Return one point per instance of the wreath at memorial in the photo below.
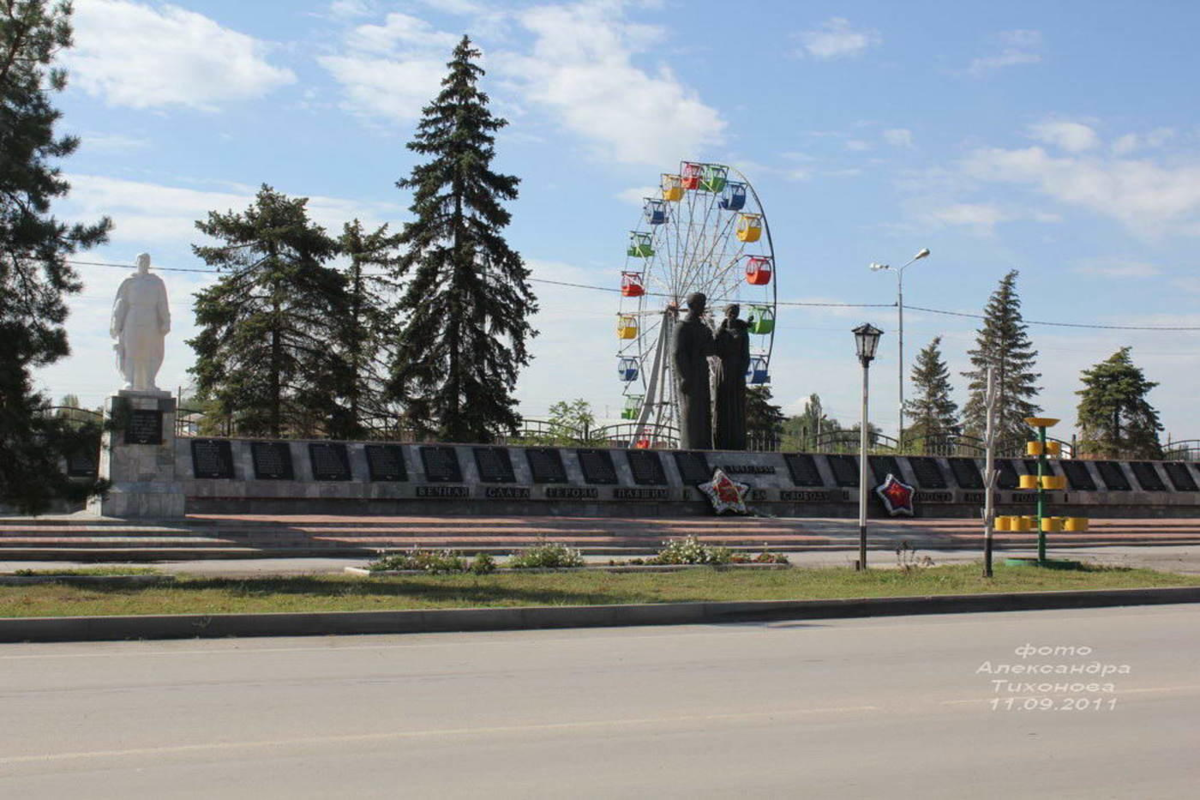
(726, 495)
(897, 496)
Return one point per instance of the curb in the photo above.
(188, 626)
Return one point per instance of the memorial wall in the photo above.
(257, 476)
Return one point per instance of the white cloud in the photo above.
(138, 56)
(1124, 145)
(857, 145)
(581, 69)
(898, 137)
(834, 38)
(399, 30)
(636, 195)
(1149, 198)
(111, 142)
(349, 9)
(1074, 137)
(1018, 47)
(460, 8)
(981, 216)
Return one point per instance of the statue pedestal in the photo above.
(137, 457)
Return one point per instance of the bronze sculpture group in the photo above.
(705, 361)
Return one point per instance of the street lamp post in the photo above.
(866, 340)
(900, 319)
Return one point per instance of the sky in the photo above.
(1058, 139)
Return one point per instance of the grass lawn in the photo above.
(338, 593)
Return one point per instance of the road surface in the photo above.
(889, 707)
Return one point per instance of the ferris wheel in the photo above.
(705, 232)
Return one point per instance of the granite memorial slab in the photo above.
(1009, 478)
(803, 469)
(1077, 476)
(385, 462)
(693, 466)
(647, 468)
(882, 466)
(1180, 476)
(1147, 476)
(494, 465)
(144, 426)
(1113, 476)
(967, 474)
(441, 464)
(329, 461)
(845, 469)
(928, 472)
(212, 458)
(546, 465)
(272, 461)
(597, 466)
(82, 464)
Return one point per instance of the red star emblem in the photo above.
(896, 495)
(726, 495)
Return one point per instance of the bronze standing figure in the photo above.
(732, 345)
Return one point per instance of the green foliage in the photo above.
(1114, 416)
(931, 412)
(432, 561)
(370, 326)
(483, 564)
(263, 351)
(801, 431)
(764, 419)
(34, 274)
(467, 302)
(546, 555)
(690, 550)
(1002, 343)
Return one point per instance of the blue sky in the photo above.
(1058, 139)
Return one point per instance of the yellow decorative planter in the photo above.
(1052, 524)
(1033, 448)
(1075, 524)
(1003, 524)
(1053, 482)
(1029, 482)
(1041, 422)
(1054, 448)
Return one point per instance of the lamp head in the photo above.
(877, 267)
(924, 252)
(866, 341)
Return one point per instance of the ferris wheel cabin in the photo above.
(632, 284)
(627, 368)
(759, 270)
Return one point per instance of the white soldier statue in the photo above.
(140, 321)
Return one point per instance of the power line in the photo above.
(796, 304)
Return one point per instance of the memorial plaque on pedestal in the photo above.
(1077, 475)
(441, 464)
(272, 461)
(546, 464)
(494, 465)
(144, 426)
(212, 458)
(385, 462)
(929, 472)
(597, 466)
(1147, 476)
(82, 464)
(803, 468)
(1113, 476)
(882, 466)
(693, 467)
(329, 461)
(1180, 475)
(1008, 474)
(845, 470)
(967, 474)
(647, 468)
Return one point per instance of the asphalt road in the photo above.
(894, 708)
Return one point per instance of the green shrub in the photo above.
(431, 561)
(690, 551)
(483, 564)
(546, 555)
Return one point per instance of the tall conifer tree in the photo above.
(1003, 344)
(931, 412)
(1115, 418)
(467, 303)
(369, 330)
(34, 248)
(764, 419)
(263, 351)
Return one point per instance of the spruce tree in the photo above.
(1115, 418)
(931, 412)
(266, 326)
(1002, 343)
(764, 419)
(370, 326)
(467, 303)
(34, 247)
